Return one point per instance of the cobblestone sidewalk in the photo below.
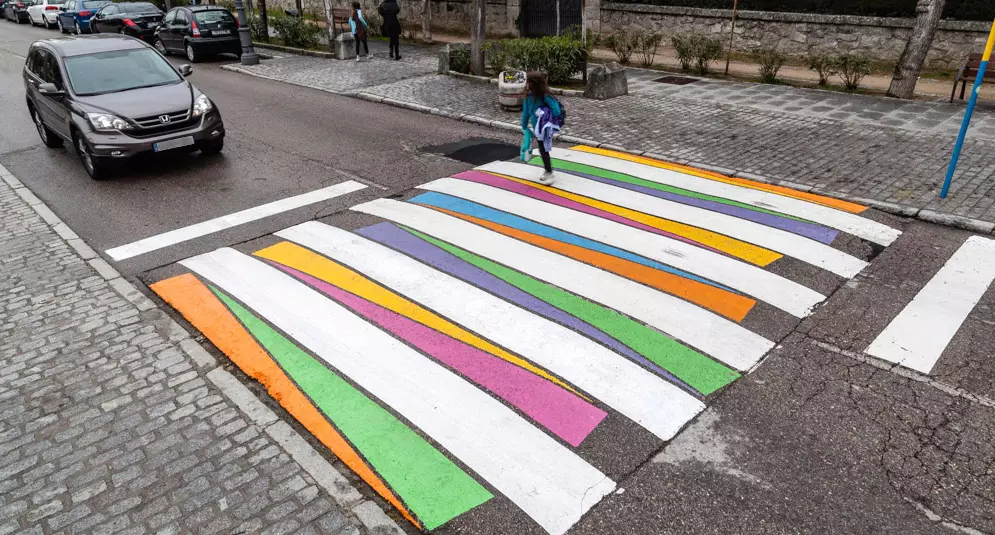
(112, 420)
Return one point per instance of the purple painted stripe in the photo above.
(522, 189)
(563, 413)
(390, 235)
(813, 231)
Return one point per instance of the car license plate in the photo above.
(222, 32)
(173, 144)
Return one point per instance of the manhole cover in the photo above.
(676, 80)
(476, 151)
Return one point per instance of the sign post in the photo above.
(971, 103)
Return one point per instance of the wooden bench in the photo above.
(340, 19)
(968, 73)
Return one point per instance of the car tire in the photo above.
(160, 46)
(92, 165)
(192, 54)
(48, 137)
(62, 29)
(212, 147)
(78, 29)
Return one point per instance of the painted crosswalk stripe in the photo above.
(211, 226)
(551, 484)
(716, 336)
(817, 213)
(655, 404)
(789, 244)
(919, 334)
(778, 291)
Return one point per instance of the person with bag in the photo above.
(391, 26)
(542, 117)
(359, 29)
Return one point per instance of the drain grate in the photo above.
(676, 80)
(476, 151)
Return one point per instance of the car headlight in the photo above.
(202, 105)
(106, 121)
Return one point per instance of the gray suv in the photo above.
(113, 97)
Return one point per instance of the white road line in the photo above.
(784, 242)
(778, 291)
(204, 228)
(918, 335)
(659, 406)
(549, 482)
(695, 326)
(838, 219)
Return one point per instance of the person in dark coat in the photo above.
(391, 26)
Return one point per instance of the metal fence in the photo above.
(539, 17)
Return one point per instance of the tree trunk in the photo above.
(426, 21)
(928, 15)
(300, 8)
(477, 35)
(263, 20)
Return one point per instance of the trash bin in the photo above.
(511, 90)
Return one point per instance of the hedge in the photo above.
(955, 9)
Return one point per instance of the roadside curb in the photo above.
(292, 50)
(368, 512)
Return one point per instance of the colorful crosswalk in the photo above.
(468, 346)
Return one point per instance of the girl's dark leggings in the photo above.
(545, 158)
(366, 46)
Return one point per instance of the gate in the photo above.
(539, 17)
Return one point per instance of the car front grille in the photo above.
(153, 125)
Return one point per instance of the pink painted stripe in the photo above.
(563, 413)
(522, 189)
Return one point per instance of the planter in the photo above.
(511, 90)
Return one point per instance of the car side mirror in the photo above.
(49, 90)
(186, 69)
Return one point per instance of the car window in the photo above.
(92, 4)
(109, 10)
(32, 63)
(182, 18)
(214, 15)
(119, 70)
(168, 19)
(140, 7)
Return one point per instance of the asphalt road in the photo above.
(282, 141)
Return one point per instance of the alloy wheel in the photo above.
(84, 155)
(42, 131)
(191, 55)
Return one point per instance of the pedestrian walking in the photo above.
(391, 26)
(542, 117)
(358, 26)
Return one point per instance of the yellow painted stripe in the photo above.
(853, 208)
(740, 249)
(306, 261)
(991, 44)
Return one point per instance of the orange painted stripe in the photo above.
(723, 302)
(752, 184)
(195, 301)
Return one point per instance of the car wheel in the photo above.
(192, 54)
(62, 29)
(48, 137)
(160, 46)
(92, 165)
(212, 147)
(79, 31)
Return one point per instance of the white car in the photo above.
(44, 12)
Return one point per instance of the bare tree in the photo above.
(928, 15)
(426, 21)
(478, 25)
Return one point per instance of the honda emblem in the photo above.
(163, 119)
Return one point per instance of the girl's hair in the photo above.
(356, 6)
(537, 84)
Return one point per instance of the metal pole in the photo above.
(249, 56)
(732, 33)
(557, 17)
(968, 113)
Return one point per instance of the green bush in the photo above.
(497, 58)
(684, 47)
(257, 31)
(706, 50)
(823, 65)
(647, 44)
(459, 58)
(559, 57)
(230, 6)
(770, 61)
(374, 23)
(296, 32)
(851, 69)
(622, 43)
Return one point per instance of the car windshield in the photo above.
(138, 8)
(214, 15)
(119, 70)
(91, 5)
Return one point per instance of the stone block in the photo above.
(345, 46)
(607, 81)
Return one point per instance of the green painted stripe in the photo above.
(432, 486)
(700, 372)
(622, 177)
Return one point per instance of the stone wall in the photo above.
(454, 16)
(797, 34)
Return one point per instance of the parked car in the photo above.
(75, 17)
(44, 12)
(113, 97)
(198, 31)
(137, 19)
(16, 11)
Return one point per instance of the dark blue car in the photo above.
(76, 15)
